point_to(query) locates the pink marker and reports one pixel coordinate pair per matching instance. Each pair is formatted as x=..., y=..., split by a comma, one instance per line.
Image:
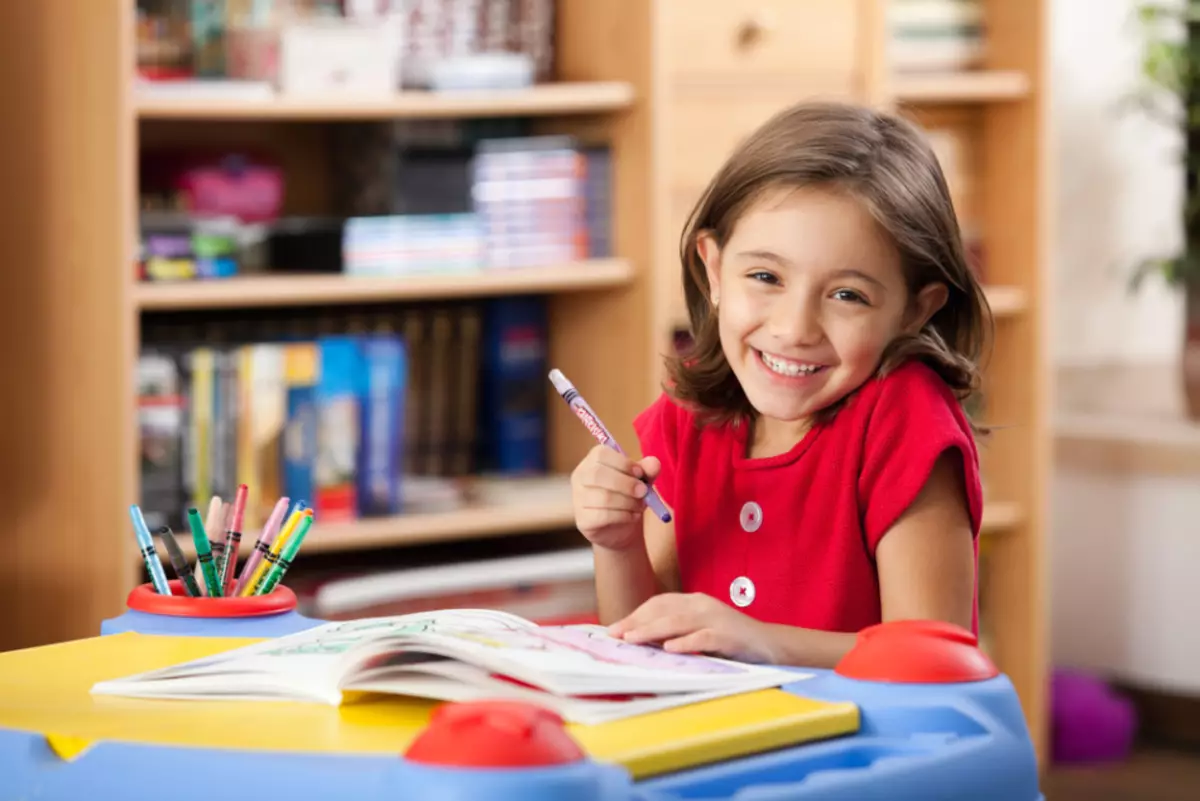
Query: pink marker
x=270, y=530
x=233, y=537
x=593, y=424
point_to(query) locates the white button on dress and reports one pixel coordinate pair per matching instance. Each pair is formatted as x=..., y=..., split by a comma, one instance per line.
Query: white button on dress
x=741, y=591
x=751, y=516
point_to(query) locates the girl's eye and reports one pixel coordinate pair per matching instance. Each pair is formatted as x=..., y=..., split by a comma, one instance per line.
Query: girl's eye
x=850, y=296
x=764, y=276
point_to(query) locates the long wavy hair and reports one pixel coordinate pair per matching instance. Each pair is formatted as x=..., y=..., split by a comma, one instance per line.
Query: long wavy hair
x=885, y=162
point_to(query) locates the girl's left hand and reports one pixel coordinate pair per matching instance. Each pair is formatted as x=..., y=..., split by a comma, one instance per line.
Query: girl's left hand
x=696, y=623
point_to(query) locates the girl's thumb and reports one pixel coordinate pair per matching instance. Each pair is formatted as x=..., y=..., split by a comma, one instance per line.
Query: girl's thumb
x=651, y=467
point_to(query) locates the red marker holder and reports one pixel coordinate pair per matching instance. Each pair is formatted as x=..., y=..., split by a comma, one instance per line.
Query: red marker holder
x=148, y=612
x=145, y=599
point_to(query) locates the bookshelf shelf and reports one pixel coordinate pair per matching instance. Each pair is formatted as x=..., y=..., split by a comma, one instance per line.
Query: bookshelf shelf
x=1007, y=301
x=981, y=86
x=541, y=100
x=294, y=290
x=499, y=507
x=1000, y=517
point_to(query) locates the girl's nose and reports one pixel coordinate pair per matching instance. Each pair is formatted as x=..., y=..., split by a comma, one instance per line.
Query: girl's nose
x=797, y=324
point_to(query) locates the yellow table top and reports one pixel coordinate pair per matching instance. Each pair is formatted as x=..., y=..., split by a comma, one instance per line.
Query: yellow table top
x=47, y=690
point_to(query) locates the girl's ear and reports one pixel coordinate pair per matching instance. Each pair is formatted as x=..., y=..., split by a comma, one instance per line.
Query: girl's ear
x=710, y=255
x=928, y=301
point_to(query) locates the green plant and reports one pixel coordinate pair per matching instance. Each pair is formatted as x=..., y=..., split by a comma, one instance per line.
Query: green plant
x=1171, y=94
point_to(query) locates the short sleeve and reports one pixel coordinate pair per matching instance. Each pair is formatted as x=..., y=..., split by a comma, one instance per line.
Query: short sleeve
x=658, y=428
x=915, y=419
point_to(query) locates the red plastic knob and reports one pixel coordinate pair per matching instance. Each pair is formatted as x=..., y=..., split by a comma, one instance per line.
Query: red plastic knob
x=494, y=734
x=917, y=652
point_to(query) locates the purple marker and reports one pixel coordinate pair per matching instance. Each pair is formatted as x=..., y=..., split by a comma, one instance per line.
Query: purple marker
x=593, y=424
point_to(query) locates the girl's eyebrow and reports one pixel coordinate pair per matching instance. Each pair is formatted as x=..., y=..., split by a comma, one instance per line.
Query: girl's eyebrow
x=767, y=255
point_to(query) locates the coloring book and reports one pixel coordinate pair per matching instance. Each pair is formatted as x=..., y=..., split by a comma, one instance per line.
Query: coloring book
x=580, y=672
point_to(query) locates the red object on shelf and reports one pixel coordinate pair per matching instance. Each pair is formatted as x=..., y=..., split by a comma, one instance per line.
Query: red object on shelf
x=178, y=604
x=494, y=734
x=916, y=652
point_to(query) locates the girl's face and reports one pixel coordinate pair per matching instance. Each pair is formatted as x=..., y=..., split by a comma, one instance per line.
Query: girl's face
x=809, y=291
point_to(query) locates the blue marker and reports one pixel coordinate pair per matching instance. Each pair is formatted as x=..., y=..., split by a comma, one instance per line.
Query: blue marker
x=146, y=545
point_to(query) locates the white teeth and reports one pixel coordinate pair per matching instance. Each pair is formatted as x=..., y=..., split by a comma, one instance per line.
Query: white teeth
x=788, y=368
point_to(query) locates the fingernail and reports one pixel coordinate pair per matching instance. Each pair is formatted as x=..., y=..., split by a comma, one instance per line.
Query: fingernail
x=637, y=472
x=639, y=491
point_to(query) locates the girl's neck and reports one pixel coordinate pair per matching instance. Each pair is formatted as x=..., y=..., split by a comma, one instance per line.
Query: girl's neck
x=770, y=437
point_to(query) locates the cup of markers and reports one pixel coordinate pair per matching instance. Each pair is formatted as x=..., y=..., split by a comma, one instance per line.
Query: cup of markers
x=213, y=580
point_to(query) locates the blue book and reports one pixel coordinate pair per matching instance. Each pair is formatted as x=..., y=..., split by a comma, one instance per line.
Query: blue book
x=385, y=363
x=513, y=387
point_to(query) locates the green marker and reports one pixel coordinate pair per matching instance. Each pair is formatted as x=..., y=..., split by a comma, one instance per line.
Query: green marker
x=179, y=561
x=290, y=549
x=204, y=553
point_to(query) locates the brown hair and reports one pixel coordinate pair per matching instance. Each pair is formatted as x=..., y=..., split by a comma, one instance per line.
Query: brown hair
x=884, y=161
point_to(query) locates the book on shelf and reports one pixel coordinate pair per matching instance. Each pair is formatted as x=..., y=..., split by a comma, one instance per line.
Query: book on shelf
x=361, y=415
x=580, y=672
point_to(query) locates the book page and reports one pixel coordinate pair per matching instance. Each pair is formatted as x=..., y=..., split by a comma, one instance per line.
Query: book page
x=311, y=661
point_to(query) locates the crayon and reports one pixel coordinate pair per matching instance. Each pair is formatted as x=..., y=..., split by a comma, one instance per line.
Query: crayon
x=263, y=546
x=286, y=557
x=273, y=554
x=150, y=556
x=179, y=562
x=204, y=553
x=602, y=435
x=233, y=539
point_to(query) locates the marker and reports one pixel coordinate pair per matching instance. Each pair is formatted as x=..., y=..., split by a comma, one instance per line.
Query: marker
x=273, y=555
x=150, y=556
x=179, y=562
x=233, y=538
x=212, y=522
x=204, y=553
x=261, y=548
x=592, y=422
x=220, y=528
x=286, y=558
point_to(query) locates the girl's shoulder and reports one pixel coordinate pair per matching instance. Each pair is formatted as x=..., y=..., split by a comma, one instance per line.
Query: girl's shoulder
x=911, y=387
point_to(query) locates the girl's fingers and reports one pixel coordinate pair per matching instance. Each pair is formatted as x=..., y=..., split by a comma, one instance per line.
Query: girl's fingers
x=610, y=478
x=607, y=499
x=596, y=519
x=703, y=641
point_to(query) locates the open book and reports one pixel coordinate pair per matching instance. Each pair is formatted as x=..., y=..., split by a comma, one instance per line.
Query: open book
x=458, y=655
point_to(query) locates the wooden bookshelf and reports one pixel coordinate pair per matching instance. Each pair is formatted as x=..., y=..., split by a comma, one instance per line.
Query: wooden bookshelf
x=983, y=86
x=552, y=99
x=497, y=507
x=1007, y=301
x=293, y=290
x=671, y=85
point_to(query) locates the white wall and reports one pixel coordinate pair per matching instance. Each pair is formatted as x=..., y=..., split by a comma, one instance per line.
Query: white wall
x=1117, y=195
x=1124, y=548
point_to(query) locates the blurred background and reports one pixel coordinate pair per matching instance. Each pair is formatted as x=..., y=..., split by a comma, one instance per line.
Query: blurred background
x=330, y=249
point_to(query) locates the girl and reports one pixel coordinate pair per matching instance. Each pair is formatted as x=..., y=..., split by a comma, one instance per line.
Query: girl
x=812, y=445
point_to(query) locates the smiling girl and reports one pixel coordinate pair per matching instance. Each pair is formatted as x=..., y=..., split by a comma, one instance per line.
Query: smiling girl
x=812, y=445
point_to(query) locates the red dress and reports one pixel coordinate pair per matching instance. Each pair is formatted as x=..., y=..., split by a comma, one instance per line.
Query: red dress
x=791, y=538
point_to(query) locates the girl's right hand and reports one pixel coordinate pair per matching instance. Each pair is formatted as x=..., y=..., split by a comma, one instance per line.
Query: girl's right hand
x=607, y=493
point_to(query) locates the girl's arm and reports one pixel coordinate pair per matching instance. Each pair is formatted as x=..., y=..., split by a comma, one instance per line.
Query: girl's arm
x=626, y=578
x=926, y=566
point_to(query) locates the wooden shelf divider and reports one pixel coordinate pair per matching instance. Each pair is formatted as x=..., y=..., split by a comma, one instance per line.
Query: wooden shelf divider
x=296, y=290
x=540, y=100
x=968, y=86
